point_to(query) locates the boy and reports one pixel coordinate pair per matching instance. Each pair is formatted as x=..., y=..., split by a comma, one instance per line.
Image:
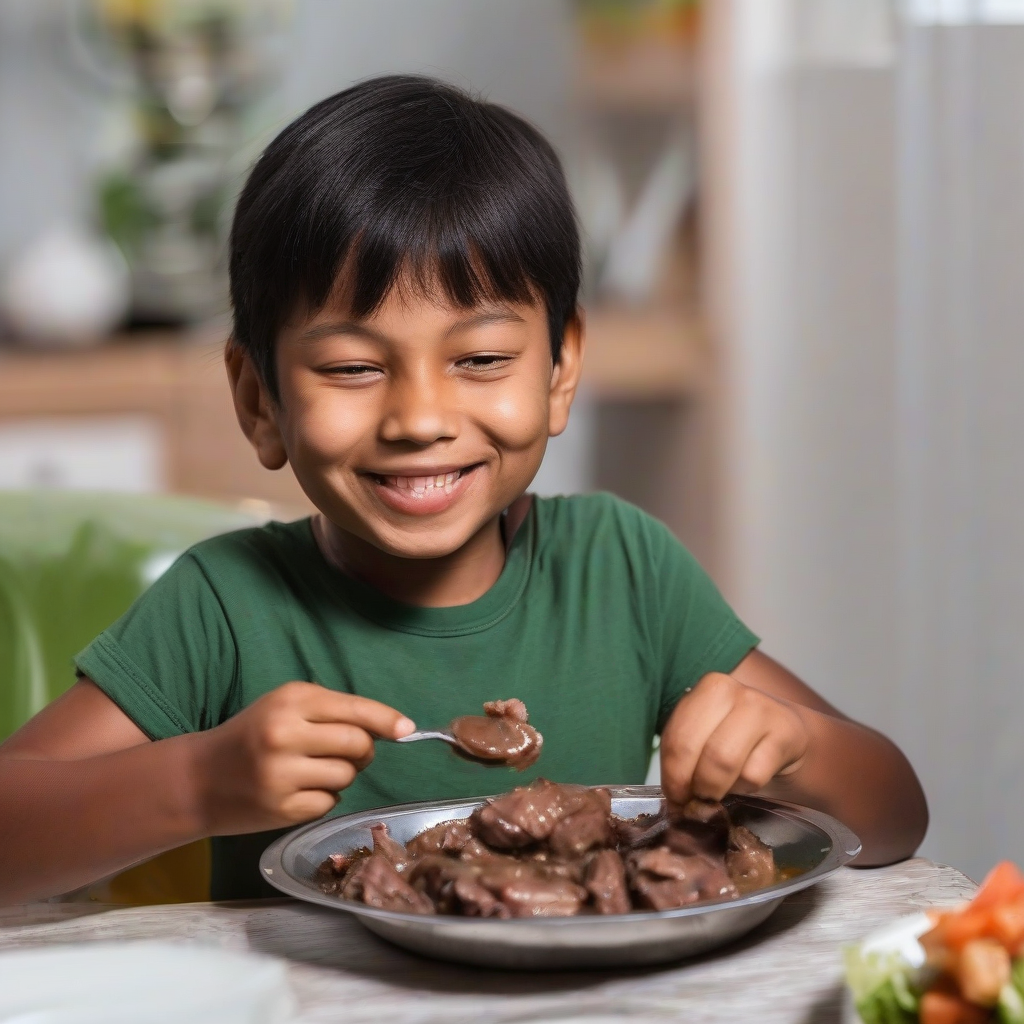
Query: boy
x=404, y=274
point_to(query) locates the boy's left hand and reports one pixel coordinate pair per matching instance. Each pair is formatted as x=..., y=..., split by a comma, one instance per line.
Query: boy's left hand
x=725, y=737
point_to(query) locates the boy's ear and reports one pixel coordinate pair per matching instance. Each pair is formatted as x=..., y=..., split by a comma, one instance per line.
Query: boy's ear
x=254, y=407
x=566, y=374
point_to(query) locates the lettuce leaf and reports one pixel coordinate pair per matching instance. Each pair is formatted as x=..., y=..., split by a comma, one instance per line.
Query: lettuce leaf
x=1010, y=1009
x=884, y=987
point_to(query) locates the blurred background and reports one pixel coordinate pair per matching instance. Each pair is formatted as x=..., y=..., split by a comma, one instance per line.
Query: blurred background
x=804, y=287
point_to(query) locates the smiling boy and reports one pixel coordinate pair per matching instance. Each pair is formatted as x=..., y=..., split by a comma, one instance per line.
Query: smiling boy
x=404, y=270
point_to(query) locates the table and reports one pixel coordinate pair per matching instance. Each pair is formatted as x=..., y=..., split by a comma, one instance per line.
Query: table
x=786, y=972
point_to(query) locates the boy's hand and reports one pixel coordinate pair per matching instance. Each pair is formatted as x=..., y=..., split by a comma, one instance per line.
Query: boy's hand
x=725, y=737
x=284, y=758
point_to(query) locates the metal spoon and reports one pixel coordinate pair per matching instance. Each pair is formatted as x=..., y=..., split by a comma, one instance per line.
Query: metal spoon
x=447, y=737
x=466, y=754
x=426, y=734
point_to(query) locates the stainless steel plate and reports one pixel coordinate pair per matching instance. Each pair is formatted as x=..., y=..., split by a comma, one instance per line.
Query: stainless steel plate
x=807, y=840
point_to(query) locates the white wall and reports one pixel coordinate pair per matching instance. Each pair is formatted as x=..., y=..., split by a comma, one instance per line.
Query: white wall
x=514, y=53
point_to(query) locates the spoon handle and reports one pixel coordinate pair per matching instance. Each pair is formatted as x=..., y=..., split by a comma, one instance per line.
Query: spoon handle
x=425, y=734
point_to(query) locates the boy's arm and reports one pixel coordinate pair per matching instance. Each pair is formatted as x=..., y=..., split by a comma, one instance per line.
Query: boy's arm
x=760, y=729
x=84, y=793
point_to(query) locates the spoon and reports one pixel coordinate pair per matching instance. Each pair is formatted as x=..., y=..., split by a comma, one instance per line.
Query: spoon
x=447, y=737
x=427, y=734
x=502, y=737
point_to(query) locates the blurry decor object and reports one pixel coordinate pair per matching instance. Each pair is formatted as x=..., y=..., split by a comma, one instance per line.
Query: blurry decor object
x=185, y=75
x=637, y=173
x=639, y=51
x=67, y=289
x=637, y=250
x=70, y=565
x=146, y=982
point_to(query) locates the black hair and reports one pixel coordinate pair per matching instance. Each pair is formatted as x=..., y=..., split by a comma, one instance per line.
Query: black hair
x=401, y=174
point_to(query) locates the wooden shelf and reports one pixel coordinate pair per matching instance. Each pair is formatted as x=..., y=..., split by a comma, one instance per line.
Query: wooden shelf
x=641, y=354
x=178, y=383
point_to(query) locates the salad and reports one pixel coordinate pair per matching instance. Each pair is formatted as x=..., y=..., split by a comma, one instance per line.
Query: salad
x=960, y=966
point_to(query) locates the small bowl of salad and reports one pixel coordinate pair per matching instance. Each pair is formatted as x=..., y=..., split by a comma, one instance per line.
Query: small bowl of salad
x=959, y=966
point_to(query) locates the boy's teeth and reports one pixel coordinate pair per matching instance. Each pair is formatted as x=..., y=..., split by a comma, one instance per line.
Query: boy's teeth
x=421, y=485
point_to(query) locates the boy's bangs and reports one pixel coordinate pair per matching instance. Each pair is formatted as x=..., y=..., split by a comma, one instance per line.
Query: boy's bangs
x=459, y=264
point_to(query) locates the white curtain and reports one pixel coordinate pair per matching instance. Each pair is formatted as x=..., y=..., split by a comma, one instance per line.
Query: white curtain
x=960, y=454
x=866, y=169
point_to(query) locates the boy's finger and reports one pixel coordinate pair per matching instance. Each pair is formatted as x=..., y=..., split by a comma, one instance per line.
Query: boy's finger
x=695, y=718
x=371, y=715
x=307, y=804
x=726, y=751
x=330, y=774
x=766, y=760
x=337, y=739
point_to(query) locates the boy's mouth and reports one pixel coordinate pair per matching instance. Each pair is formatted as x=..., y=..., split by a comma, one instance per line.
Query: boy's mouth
x=423, y=494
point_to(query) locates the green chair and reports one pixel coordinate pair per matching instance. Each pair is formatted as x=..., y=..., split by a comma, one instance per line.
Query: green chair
x=70, y=565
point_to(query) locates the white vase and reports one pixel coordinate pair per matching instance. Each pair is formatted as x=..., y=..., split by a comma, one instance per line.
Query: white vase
x=67, y=289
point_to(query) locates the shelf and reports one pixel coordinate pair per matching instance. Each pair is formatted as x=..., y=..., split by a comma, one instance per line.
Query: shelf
x=176, y=382
x=646, y=354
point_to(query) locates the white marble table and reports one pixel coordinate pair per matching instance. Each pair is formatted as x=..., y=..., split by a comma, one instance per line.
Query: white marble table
x=786, y=972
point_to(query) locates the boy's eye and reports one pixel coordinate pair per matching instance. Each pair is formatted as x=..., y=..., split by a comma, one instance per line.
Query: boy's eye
x=357, y=370
x=484, y=362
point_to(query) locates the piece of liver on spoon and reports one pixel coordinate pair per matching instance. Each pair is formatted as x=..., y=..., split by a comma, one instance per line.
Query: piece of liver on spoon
x=501, y=736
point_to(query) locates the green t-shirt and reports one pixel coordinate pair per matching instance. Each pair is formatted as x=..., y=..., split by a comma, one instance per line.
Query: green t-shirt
x=600, y=622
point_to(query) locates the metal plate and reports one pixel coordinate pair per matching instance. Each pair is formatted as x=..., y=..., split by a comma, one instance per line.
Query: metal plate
x=807, y=840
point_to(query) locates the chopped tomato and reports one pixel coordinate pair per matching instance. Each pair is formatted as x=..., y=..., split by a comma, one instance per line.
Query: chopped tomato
x=957, y=930
x=946, y=1008
x=996, y=912
x=936, y=949
x=1008, y=926
x=1003, y=884
x=982, y=971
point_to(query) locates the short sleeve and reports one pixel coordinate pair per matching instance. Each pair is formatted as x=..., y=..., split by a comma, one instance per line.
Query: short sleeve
x=170, y=660
x=698, y=631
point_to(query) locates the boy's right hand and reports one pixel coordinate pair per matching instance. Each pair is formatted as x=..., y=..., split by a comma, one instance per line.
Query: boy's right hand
x=283, y=759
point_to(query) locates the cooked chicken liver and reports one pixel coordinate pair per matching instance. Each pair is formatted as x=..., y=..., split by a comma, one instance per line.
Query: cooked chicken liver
x=394, y=852
x=500, y=736
x=642, y=830
x=663, y=880
x=377, y=884
x=530, y=813
x=551, y=850
x=606, y=883
x=750, y=862
x=448, y=837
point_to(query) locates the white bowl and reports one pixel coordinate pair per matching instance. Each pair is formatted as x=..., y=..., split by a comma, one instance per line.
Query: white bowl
x=142, y=983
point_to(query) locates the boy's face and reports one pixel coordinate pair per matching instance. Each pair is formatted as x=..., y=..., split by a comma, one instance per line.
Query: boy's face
x=415, y=427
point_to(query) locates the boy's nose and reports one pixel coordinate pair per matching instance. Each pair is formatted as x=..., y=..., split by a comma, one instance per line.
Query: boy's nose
x=419, y=410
